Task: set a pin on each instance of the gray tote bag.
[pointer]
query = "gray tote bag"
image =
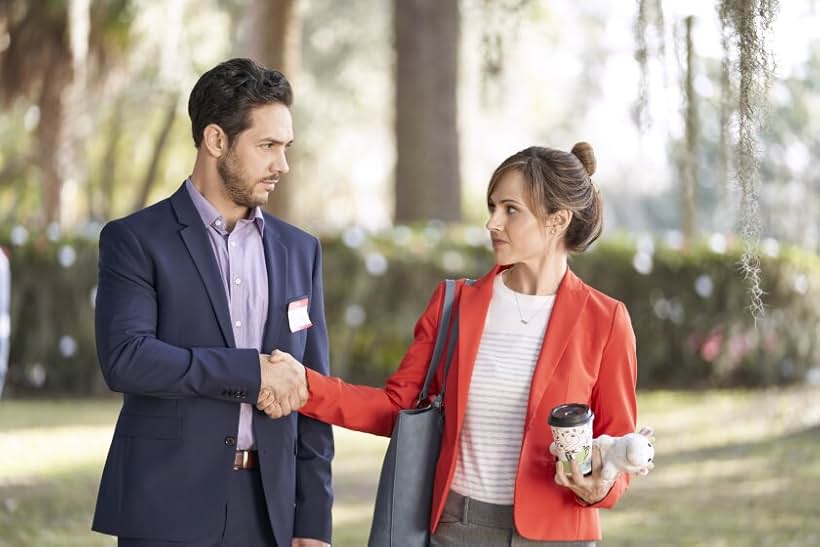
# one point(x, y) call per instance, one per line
point(401, 517)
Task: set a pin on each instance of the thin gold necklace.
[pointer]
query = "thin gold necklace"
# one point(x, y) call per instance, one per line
point(531, 317)
point(518, 307)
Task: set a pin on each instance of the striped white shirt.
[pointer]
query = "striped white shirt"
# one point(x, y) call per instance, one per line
point(490, 443)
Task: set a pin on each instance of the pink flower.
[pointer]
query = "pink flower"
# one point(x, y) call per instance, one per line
point(710, 349)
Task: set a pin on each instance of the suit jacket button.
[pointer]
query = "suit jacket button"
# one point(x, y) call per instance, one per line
point(230, 441)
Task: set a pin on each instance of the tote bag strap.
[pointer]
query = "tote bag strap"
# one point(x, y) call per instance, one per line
point(443, 323)
point(435, 360)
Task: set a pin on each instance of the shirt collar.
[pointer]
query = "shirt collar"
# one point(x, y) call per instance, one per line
point(258, 219)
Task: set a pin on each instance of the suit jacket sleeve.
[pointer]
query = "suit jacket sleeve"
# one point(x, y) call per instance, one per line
point(613, 397)
point(372, 409)
point(132, 359)
point(314, 493)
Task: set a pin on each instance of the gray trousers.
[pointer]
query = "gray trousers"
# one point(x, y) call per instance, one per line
point(466, 522)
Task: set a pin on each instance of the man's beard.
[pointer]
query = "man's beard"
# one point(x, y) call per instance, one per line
point(237, 183)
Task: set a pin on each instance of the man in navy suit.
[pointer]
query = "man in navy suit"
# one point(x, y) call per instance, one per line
point(195, 293)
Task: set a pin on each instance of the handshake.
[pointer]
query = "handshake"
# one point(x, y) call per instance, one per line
point(284, 386)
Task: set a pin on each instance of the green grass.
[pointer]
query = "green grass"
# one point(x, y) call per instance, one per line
point(733, 469)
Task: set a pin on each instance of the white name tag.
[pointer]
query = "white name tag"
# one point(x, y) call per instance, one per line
point(298, 318)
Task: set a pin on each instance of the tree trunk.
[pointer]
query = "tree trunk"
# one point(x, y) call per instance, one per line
point(274, 36)
point(689, 174)
point(104, 199)
point(50, 136)
point(724, 203)
point(141, 199)
point(428, 184)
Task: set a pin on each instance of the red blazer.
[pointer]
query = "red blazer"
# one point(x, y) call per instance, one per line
point(588, 356)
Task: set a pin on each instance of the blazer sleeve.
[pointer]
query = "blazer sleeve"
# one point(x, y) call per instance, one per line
point(613, 400)
point(372, 409)
point(131, 357)
point(314, 450)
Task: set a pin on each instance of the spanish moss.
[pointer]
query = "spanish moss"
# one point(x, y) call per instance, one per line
point(501, 20)
point(649, 15)
point(749, 27)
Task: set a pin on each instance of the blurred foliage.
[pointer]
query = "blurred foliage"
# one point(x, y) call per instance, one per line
point(562, 72)
point(688, 310)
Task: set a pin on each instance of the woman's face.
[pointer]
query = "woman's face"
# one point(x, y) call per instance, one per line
point(517, 234)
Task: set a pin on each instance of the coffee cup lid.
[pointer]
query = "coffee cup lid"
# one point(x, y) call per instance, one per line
point(569, 415)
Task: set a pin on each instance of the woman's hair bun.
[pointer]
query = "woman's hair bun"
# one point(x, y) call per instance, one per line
point(583, 151)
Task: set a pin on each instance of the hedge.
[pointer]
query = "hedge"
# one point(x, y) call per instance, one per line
point(688, 307)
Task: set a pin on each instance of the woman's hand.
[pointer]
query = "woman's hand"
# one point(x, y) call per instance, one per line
point(590, 489)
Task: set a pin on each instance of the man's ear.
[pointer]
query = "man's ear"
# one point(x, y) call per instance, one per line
point(214, 140)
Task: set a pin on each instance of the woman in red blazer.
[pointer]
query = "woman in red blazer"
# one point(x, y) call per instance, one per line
point(532, 336)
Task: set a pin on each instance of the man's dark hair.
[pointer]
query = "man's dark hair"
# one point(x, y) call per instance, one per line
point(226, 94)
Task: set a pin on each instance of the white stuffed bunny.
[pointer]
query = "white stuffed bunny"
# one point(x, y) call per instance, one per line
point(632, 453)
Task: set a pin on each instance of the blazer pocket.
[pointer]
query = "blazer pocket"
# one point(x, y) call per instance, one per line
point(149, 427)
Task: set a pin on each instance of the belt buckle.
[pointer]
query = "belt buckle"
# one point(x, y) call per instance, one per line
point(241, 460)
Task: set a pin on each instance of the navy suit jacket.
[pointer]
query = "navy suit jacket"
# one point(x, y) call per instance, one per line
point(164, 339)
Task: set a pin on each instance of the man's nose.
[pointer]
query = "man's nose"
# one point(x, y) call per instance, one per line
point(281, 165)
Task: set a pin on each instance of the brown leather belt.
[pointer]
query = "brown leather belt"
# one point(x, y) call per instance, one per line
point(245, 459)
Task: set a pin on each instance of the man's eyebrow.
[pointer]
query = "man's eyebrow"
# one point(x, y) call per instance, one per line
point(275, 141)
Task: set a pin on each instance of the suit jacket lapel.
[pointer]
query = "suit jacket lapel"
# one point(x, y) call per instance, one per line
point(472, 312)
point(276, 262)
point(194, 235)
point(569, 302)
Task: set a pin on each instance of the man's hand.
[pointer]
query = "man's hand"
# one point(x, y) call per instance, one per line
point(307, 542)
point(267, 403)
point(283, 389)
point(591, 489)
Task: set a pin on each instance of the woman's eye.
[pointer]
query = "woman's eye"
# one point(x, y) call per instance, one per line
point(511, 210)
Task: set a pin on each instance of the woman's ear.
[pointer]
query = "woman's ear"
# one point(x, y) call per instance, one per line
point(559, 221)
point(214, 140)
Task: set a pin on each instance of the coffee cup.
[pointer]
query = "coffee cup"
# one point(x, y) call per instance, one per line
point(571, 426)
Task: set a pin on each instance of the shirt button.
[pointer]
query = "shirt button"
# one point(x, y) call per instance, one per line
point(218, 222)
point(233, 243)
point(237, 281)
point(238, 323)
point(230, 441)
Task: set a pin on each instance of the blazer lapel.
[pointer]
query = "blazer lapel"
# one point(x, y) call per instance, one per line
point(472, 312)
point(195, 236)
point(569, 302)
point(276, 262)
